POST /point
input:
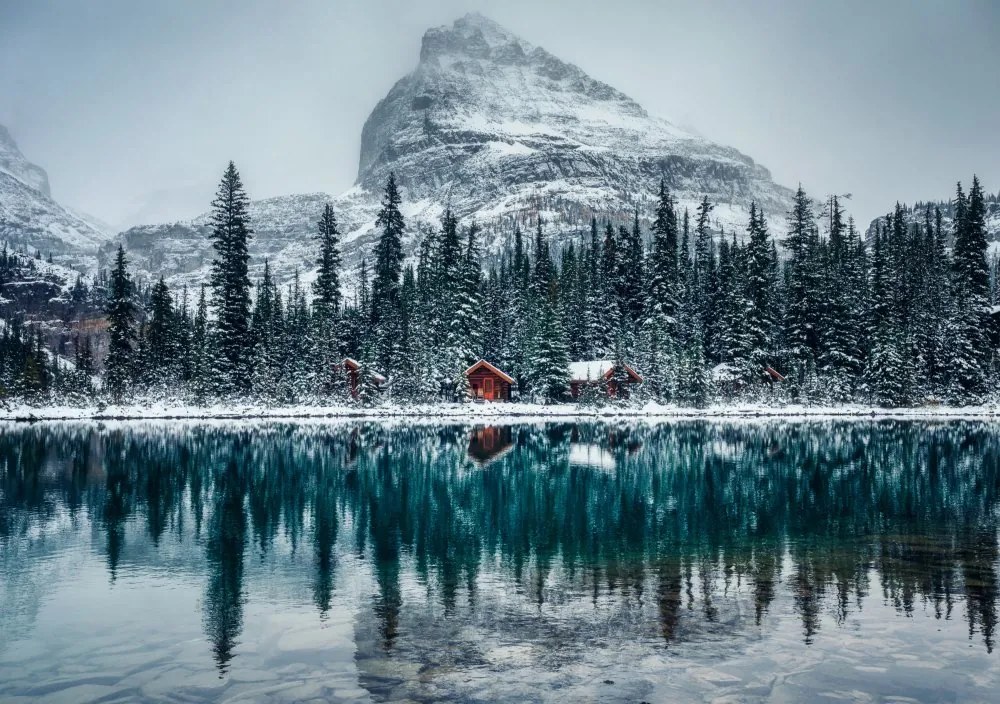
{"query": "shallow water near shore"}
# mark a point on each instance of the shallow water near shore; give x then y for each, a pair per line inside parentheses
(563, 561)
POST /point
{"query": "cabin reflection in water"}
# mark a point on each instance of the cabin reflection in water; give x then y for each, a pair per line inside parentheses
(488, 444)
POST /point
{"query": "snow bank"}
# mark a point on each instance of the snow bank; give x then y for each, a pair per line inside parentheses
(485, 411)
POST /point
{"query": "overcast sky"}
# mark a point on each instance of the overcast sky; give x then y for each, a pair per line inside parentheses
(134, 107)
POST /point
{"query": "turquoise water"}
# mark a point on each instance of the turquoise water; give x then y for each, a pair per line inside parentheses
(694, 561)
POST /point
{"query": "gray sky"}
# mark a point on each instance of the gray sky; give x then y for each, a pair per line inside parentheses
(129, 103)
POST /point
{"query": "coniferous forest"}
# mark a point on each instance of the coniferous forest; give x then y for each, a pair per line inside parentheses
(902, 317)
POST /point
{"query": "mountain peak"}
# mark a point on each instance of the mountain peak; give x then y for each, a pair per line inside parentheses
(500, 131)
(474, 36)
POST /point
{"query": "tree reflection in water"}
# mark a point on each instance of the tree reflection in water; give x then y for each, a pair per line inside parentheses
(665, 520)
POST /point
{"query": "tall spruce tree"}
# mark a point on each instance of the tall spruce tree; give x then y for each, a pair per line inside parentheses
(386, 309)
(761, 294)
(201, 353)
(663, 282)
(703, 273)
(265, 332)
(970, 357)
(231, 233)
(119, 365)
(326, 356)
(886, 367)
(162, 339)
(801, 288)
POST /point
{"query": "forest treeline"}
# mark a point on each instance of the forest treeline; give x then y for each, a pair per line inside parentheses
(902, 317)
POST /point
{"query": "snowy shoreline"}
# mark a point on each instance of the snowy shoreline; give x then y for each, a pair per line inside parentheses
(477, 412)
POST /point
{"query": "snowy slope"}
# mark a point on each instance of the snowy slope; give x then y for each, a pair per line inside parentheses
(29, 217)
(502, 132)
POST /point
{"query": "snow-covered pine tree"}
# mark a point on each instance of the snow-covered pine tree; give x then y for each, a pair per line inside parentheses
(663, 280)
(162, 348)
(734, 340)
(549, 363)
(548, 354)
(703, 276)
(119, 365)
(573, 321)
(611, 303)
(970, 358)
(631, 267)
(802, 283)
(368, 389)
(402, 385)
(264, 339)
(761, 295)
(692, 383)
(326, 356)
(84, 366)
(885, 371)
(515, 357)
(596, 311)
(839, 360)
(659, 336)
(471, 300)
(231, 233)
(201, 353)
(451, 310)
(183, 325)
(425, 325)
(386, 312)
(579, 307)
(296, 382)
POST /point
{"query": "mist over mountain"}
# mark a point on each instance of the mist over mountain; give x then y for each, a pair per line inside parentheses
(499, 130)
(503, 132)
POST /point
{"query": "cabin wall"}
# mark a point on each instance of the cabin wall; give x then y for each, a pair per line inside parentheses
(609, 387)
(477, 383)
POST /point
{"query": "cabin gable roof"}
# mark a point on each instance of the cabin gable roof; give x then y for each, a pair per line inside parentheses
(483, 364)
(354, 365)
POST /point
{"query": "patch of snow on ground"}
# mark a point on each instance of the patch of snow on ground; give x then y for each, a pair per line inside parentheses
(485, 412)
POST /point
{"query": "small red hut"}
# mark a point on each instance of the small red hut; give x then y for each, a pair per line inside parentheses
(353, 370)
(488, 383)
(601, 372)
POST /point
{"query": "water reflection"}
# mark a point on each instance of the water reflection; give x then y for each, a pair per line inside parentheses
(550, 537)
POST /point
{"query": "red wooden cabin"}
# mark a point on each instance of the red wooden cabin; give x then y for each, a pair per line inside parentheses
(353, 370)
(601, 372)
(488, 383)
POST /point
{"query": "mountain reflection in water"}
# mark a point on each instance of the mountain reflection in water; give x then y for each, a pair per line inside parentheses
(563, 549)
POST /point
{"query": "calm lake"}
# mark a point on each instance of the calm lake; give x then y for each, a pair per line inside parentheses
(690, 561)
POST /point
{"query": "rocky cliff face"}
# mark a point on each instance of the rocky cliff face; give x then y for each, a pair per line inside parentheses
(30, 218)
(503, 132)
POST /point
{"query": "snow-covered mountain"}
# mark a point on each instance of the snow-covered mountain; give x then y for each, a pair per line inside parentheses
(503, 132)
(29, 217)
